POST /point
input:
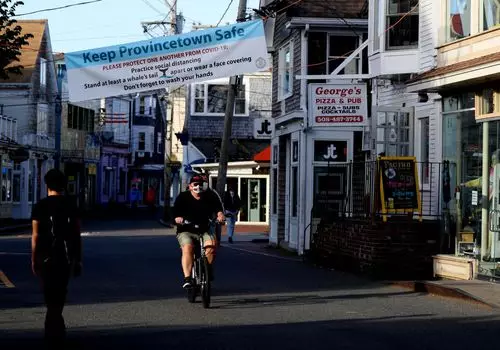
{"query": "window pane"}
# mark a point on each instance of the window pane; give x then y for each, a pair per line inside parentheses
(199, 90)
(199, 105)
(488, 101)
(217, 97)
(491, 14)
(239, 107)
(401, 7)
(403, 32)
(459, 19)
(142, 141)
(340, 48)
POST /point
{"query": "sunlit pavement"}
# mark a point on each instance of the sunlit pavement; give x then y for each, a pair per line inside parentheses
(130, 297)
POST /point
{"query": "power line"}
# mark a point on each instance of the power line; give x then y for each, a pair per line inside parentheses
(225, 12)
(58, 8)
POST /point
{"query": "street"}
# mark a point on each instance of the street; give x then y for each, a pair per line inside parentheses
(130, 296)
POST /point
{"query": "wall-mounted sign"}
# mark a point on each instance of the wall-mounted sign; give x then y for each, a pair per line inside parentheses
(399, 189)
(263, 128)
(338, 105)
(330, 151)
(167, 61)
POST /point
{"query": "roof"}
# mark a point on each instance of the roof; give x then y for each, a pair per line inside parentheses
(475, 62)
(321, 8)
(30, 52)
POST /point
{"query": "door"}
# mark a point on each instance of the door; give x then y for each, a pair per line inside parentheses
(254, 200)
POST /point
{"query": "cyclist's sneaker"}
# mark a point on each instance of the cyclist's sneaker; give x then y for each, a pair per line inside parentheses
(188, 283)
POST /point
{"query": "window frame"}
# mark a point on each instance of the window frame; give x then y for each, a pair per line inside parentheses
(358, 59)
(387, 33)
(42, 119)
(479, 105)
(282, 95)
(481, 17)
(221, 82)
(398, 144)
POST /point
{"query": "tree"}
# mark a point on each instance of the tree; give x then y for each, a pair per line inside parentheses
(11, 39)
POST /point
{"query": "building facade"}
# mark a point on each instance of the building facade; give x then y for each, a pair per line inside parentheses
(30, 98)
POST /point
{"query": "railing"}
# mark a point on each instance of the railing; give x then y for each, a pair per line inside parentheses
(8, 129)
(353, 190)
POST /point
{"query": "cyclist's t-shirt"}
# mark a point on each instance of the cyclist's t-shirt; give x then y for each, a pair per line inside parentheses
(197, 211)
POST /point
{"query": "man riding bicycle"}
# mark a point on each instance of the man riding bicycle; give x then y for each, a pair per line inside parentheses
(197, 206)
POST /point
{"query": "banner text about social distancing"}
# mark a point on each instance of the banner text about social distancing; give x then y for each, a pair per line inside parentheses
(125, 51)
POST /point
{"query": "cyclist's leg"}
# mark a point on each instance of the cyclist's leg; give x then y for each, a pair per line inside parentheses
(186, 243)
(210, 244)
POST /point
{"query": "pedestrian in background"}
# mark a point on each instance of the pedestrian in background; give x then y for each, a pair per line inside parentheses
(232, 206)
(56, 251)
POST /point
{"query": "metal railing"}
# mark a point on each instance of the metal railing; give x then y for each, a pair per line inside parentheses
(353, 190)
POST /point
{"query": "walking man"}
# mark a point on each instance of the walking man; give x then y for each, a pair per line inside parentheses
(232, 205)
(56, 251)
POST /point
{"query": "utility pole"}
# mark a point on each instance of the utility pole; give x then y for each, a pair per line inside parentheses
(167, 170)
(234, 87)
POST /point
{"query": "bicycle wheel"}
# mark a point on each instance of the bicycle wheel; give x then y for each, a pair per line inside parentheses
(191, 292)
(205, 283)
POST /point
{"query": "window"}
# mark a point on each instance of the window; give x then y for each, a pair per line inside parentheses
(285, 72)
(123, 181)
(80, 118)
(16, 187)
(376, 23)
(6, 184)
(43, 72)
(424, 151)
(339, 48)
(491, 14)
(152, 142)
(394, 130)
(488, 103)
(158, 143)
(42, 123)
(402, 24)
(142, 105)
(211, 99)
(142, 141)
(459, 19)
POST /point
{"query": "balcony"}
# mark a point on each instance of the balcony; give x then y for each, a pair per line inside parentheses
(39, 141)
(8, 130)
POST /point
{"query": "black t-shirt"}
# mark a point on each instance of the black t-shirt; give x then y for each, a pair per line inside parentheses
(59, 208)
(197, 211)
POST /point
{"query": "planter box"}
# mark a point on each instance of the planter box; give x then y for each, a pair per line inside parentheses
(454, 267)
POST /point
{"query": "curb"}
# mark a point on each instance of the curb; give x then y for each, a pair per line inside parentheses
(437, 289)
(14, 230)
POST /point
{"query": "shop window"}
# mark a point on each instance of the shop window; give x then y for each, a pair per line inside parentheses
(394, 133)
(211, 99)
(402, 20)
(123, 181)
(488, 103)
(491, 14)
(16, 187)
(339, 48)
(6, 185)
(458, 19)
(285, 72)
(141, 141)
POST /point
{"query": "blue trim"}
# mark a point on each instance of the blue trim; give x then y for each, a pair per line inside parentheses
(140, 49)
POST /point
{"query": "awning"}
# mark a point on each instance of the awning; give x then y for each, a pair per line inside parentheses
(263, 156)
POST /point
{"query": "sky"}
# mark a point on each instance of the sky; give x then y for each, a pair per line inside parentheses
(112, 22)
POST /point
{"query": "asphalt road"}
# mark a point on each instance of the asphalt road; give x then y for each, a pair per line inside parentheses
(130, 297)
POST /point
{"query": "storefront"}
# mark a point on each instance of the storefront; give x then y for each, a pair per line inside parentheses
(250, 180)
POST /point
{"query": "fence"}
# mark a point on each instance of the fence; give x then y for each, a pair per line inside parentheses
(353, 190)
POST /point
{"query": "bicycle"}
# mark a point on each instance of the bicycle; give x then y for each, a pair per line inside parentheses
(200, 272)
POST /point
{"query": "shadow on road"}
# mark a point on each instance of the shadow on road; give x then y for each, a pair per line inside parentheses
(385, 333)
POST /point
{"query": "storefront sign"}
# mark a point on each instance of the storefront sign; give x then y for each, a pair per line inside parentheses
(167, 61)
(330, 151)
(338, 105)
(399, 185)
(263, 128)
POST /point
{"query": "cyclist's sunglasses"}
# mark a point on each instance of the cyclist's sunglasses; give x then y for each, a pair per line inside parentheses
(196, 183)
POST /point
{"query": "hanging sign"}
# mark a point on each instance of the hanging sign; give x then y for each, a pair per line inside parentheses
(399, 185)
(167, 61)
(338, 104)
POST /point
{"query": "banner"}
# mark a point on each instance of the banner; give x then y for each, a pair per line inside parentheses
(338, 104)
(167, 61)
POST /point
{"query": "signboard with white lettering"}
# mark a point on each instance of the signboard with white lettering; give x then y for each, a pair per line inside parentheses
(263, 128)
(167, 61)
(330, 151)
(338, 104)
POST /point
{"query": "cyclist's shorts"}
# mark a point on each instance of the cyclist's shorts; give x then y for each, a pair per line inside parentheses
(188, 238)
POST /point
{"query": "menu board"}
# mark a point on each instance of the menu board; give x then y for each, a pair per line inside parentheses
(399, 184)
